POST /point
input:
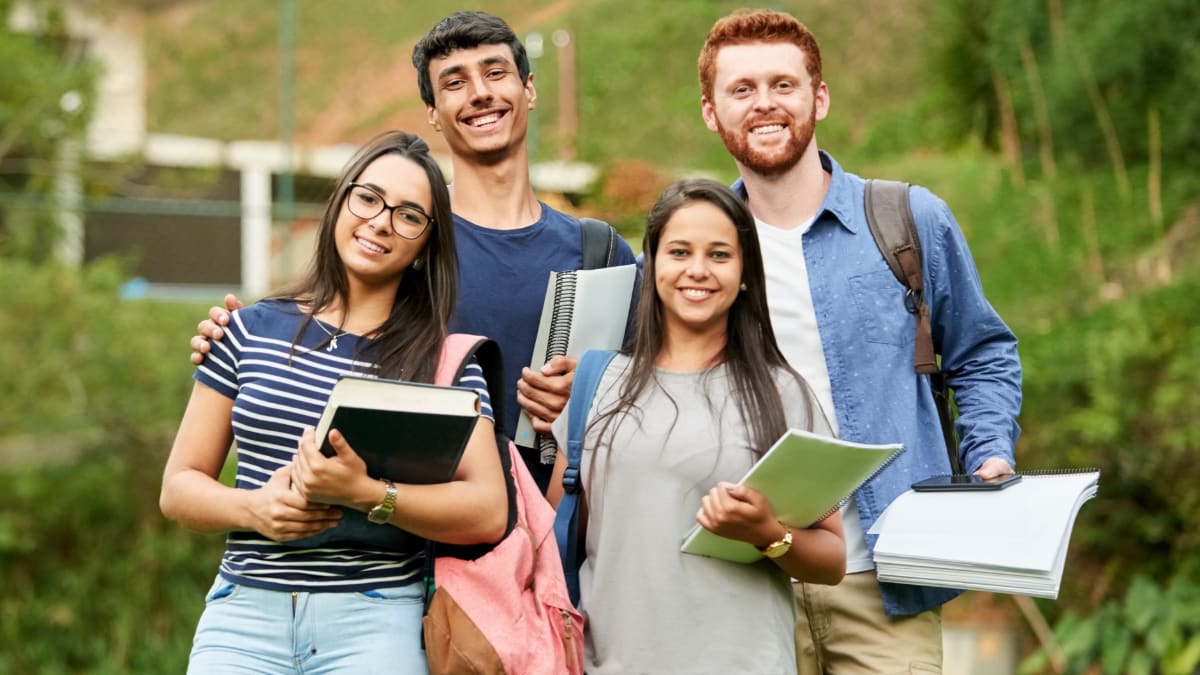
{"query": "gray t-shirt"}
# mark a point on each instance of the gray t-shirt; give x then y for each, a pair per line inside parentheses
(648, 607)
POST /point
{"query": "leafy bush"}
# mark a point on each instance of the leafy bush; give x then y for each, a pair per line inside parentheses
(1117, 391)
(1076, 63)
(95, 579)
(1149, 630)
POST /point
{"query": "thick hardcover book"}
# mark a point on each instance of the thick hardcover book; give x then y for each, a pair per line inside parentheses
(805, 477)
(583, 309)
(405, 431)
(1004, 541)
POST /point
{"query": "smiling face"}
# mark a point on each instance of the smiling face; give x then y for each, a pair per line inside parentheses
(764, 105)
(481, 105)
(697, 269)
(370, 249)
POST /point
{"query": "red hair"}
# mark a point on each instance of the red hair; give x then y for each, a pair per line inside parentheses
(761, 25)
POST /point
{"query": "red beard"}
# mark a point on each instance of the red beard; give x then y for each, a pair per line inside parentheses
(773, 161)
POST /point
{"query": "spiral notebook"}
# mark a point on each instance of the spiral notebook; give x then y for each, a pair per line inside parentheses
(584, 309)
(1004, 541)
(805, 477)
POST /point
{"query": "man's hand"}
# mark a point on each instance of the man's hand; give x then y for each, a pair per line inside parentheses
(543, 394)
(993, 467)
(282, 514)
(210, 328)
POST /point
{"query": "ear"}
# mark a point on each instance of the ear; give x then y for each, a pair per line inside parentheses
(432, 117)
(709, 113)
(531, 92)
(821, 101)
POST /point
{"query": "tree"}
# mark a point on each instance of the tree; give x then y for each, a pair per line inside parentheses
(46, 82)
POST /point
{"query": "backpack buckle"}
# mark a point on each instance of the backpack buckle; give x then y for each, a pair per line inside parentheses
(570, 480)
(913, 300)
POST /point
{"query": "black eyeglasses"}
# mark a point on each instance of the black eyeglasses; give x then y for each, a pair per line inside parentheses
(408, 220)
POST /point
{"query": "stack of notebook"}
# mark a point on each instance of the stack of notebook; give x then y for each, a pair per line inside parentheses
(1005, 541)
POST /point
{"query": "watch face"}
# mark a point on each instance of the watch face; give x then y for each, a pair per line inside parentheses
(377, 515)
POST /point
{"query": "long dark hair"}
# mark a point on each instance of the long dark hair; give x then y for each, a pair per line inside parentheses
(407, 344)
(751, 355)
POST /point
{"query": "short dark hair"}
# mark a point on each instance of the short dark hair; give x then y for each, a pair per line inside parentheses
(464, 30)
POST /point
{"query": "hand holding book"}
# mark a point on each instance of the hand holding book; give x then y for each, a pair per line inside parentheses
(340, 479)
(805, 477)
(739, 513)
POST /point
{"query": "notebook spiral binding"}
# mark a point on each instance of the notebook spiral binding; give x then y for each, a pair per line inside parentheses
(844, 500)
(560, 317)
(1059, 472)
(556, 344)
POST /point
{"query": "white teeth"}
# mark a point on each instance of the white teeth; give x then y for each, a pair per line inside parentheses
(486, 119)
(769, 129)
(371, 246)
(695, 293)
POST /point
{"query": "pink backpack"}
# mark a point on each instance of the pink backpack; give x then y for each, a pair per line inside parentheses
(502, 608)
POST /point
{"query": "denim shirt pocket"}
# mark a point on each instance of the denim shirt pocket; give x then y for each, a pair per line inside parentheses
(879, 301)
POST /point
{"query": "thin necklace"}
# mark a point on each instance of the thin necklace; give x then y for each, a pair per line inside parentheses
(332, 336)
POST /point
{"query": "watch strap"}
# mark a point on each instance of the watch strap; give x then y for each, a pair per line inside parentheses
(383, 512)
(781, 546)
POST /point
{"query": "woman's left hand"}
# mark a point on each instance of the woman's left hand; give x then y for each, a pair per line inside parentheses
(738, 512)
(341, 479)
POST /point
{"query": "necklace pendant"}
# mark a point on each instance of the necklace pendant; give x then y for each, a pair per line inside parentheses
(332, 343)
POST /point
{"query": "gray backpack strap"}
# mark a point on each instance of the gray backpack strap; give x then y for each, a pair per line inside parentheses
(599, 243)
(890, 219)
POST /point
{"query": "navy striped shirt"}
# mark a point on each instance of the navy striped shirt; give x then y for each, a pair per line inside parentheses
(277, 392)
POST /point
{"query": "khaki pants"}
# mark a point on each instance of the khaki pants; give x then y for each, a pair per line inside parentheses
(843, 630)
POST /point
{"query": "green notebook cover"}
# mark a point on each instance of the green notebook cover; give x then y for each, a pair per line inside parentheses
(805, 477)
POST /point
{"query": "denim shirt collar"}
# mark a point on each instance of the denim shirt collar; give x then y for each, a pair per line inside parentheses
(839, 201)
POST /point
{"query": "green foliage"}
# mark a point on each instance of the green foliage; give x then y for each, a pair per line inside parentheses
(93, 368)
(1150, 630)
(95, 579)
(36, 71)
(45, 85)
(1088, 69)
(1117, 390)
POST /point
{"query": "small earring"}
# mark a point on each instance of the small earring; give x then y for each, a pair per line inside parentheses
(418, 263)
(744, 286)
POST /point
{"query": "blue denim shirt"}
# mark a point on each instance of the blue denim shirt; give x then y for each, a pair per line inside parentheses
(868, 338)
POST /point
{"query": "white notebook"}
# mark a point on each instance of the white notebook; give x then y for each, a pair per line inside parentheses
(1005, 541)
(584, 309)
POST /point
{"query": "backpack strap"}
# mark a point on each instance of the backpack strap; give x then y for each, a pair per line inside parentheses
(598, 242)
(889, 216)
(457, 351)
(588, 372)
(890, 219)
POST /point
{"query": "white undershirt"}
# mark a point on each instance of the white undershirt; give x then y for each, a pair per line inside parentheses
(789, 299)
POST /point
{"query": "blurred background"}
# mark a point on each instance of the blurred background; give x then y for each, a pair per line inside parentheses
(155, 154)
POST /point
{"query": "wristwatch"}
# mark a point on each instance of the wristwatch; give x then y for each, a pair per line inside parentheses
(380, 514)
(778, 548)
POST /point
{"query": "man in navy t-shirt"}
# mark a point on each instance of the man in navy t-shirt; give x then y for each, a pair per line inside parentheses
(475, 81)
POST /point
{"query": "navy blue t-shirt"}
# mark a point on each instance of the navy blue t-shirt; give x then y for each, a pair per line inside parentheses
(502, 285)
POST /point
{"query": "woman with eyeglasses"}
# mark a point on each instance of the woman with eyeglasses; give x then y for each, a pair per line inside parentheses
(323, 565)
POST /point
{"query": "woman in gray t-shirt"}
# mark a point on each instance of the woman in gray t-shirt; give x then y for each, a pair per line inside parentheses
(677, 419)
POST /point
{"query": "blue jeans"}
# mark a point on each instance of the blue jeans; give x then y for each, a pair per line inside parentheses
(252, 630)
